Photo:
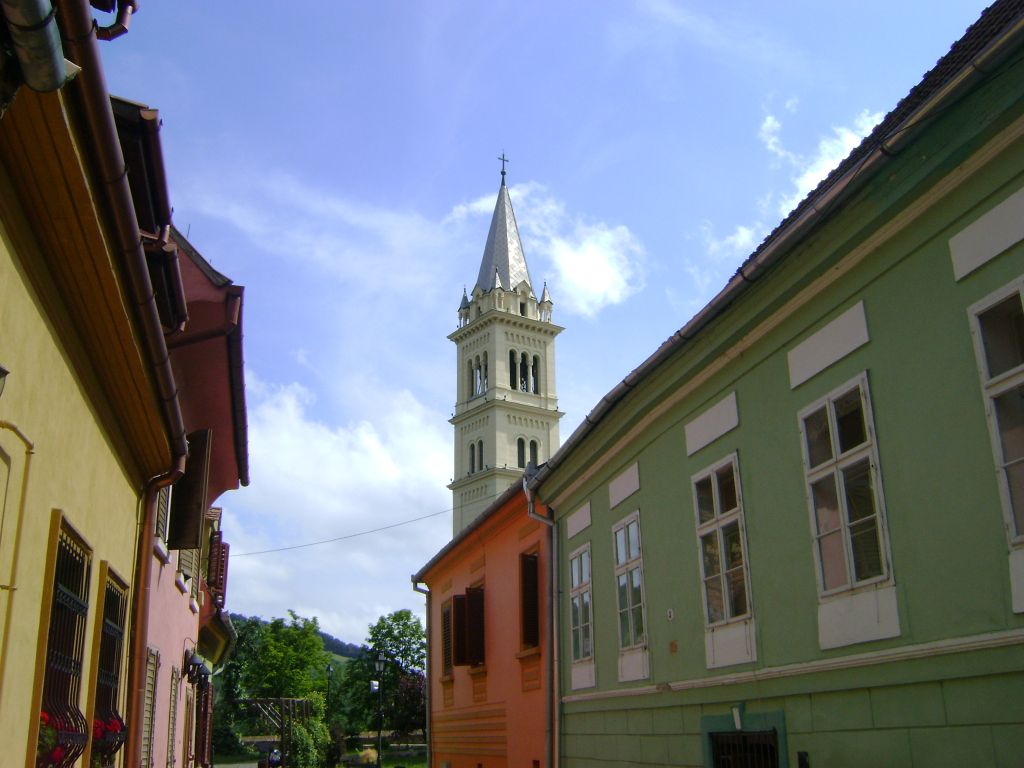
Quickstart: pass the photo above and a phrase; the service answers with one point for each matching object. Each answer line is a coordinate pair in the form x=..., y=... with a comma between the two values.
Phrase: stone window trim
x=851, y=462
x=721, y=527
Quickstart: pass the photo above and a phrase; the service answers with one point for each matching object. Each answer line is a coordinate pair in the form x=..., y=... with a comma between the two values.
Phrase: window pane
x=733, y=545
x=726, y=489
x=574, y=569
x=623, y=592
x=1002, y=333
x=634, y=539
x=587, y=650
x=624, y=638
x=709, y=548
x=826, y=504
x=833, y=560
x=705, y=500
x=819, y=441
x=1010, y=417
x=635, y=587
x=737, y=593
x=620, y=546
x=860, y=501
x=713, y=591
x=1015, y=479
x=867, y=558
x=585, y=566
x=638, y=624
x=585, y=608
x=850, y=421
x=575, y=603
x=576, y=644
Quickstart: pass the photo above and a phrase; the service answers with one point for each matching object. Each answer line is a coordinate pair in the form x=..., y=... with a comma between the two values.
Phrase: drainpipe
x=426, y=671
x=550, y=708
x=89, y=94
x=125, y=9
x=37, y=44
x=11, y=586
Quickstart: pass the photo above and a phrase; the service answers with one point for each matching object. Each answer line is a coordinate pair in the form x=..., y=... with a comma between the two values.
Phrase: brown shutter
x=529, y=600
x=204, y=721
x=188, y=501
x=475, y=625
x=446, y=639
x=460, y=631
x=217, y=570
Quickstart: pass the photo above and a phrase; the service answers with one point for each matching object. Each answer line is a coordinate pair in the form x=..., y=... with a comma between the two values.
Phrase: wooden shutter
x=163, y=507
x=217, y=568
x=204, y=722
x=475, y=625
x=446, y=638
x=188, y=502
x=148, y=706
x=529, y=600
x=460, y=633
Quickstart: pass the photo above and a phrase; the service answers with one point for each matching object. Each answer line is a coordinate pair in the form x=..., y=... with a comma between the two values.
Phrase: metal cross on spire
x=503, y=161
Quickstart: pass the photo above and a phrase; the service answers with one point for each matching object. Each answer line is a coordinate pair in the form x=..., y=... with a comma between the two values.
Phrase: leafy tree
x=290, y=661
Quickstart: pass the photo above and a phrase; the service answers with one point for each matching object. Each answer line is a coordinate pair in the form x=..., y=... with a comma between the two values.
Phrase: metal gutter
x=881, y=146
x=33, y=29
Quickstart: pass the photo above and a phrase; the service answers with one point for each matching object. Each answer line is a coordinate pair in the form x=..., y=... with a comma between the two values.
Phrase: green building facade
x=795, y=534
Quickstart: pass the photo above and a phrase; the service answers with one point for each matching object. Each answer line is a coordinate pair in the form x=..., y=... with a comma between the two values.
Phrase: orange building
x=489, y=664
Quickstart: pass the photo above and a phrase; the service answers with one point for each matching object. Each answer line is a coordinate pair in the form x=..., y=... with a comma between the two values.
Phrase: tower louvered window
x=63, y=727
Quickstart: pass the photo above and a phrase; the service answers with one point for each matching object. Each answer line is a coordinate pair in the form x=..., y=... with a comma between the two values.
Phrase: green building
x=794, y=535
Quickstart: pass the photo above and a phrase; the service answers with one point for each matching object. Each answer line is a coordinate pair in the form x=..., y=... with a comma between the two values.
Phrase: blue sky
x=338, y=158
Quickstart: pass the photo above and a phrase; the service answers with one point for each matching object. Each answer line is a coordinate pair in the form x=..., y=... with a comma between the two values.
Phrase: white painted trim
x=634, y=664
x=583, y=675
x=948, y=646
x=624, y=486
x=729, y=644
x=858, y=617
x=828, y=345
x=578, y=521
x=716, y=421
x=1017, y=579
x=989, y=235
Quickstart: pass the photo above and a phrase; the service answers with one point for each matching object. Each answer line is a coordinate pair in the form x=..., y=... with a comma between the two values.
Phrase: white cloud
x=768, y=134
x=313, y=481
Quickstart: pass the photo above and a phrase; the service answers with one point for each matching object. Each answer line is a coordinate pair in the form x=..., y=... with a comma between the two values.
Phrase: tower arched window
x=536, y=374
x=472, y=458
x=483, y=373
x=521, y=452
x=512, y=378
x=533, y=452
x=469, y=378
x=476, y=375
x=480, y=453
x=524, y=372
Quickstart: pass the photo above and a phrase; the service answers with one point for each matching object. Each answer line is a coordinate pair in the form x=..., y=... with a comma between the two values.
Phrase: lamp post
x=378, y=664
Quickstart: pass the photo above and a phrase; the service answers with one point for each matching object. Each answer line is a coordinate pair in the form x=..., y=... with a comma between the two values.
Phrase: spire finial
x=503, y=161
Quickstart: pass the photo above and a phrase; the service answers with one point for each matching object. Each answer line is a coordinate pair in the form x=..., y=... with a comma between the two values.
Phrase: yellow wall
x=74, y=468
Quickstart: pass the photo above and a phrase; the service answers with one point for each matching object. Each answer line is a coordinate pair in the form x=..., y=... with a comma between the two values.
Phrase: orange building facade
x=489, y=664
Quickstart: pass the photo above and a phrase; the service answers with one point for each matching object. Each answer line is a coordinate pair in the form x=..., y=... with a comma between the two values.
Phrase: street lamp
x=378, y=664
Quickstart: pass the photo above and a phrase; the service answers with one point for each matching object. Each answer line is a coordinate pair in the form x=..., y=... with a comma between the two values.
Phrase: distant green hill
x=331, y=643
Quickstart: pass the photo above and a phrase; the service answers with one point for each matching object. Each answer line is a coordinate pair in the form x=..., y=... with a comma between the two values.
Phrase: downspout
x=37, y=44
x=551, y=710
x=426, y=672
x=11, y=587
x=91, y=96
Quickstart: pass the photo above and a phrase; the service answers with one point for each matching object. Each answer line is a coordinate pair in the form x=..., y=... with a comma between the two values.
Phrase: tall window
x=468, y=646
x=999, y=334
x=629, y=580
x=480, y=454
x=719, y=508
x=533, y=452
x=842, y=488
x=472, y=458
x=579, y=604
x=524, y=372
x=536, y=374
x=63, y=733
x=513, y=376
x=108, y=727
x=446, y=639
x=149, y=706
x=529, y=600
x=521, y=453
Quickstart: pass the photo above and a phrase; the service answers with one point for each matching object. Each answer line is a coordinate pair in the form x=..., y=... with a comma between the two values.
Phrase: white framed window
x=998, y=329
x=718, y=508
x=629, y=582
x=843, y=489
x=580, y=608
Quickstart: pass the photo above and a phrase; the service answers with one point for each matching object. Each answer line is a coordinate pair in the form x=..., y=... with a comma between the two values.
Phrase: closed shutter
x=460, y=632
x=188, y=502
x=475, y=625
x=529, y=600
x=204, y=722
x=148, y=707
x=217, y=568
x=446, y=639
x=163, y=508
x=172, y=718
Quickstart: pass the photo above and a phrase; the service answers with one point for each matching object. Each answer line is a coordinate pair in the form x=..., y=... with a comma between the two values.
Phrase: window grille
x=63, y=728
x=108, y=728
x=745, y=749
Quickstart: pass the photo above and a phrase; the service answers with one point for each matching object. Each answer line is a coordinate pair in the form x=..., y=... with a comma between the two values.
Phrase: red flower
x=97, y=729
x=57, y=754
x=114, y=725
x=44, y=717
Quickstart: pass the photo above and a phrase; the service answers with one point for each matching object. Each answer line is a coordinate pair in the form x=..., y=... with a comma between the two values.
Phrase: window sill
x=193, y=605
x=161, y=551
x=447, y=678
x=478, y=670
x=529, y=653
x=179, y=582
x=879, y=582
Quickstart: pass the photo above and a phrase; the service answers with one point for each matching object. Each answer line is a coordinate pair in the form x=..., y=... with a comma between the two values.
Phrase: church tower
x=506, y=410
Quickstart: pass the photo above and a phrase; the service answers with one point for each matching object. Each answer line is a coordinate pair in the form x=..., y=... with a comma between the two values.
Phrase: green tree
x=290, y=662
